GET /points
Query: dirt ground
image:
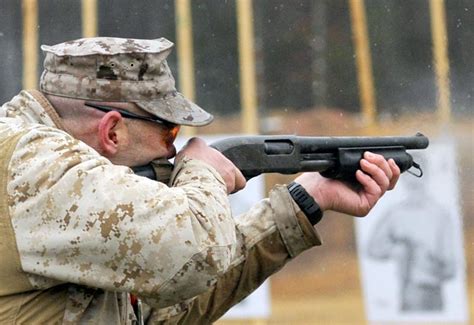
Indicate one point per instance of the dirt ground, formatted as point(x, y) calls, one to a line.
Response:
point(322, 286)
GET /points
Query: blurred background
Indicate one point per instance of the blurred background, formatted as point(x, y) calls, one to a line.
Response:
point(320, 67)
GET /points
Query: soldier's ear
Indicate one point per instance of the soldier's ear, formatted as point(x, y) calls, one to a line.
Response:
point(112, 131)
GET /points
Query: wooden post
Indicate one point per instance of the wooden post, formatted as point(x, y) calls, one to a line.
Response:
point(30, 44)
point(440, 58)
point(184, 40)
point(89, 18)
point(363, 60)
point(248, 84)
point(319, 48)
point(248, 93)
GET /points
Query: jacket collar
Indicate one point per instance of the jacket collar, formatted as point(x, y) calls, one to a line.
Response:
point(31, 106)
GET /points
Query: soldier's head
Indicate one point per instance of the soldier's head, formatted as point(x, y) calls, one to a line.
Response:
point(125, 89)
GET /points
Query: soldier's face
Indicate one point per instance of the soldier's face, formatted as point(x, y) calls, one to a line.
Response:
point(151, 141)
point(142, 140)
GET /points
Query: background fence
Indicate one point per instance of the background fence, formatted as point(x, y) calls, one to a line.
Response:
point(305, 52)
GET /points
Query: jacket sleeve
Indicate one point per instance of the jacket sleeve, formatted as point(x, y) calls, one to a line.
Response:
point(80, 219)
point(269, 235)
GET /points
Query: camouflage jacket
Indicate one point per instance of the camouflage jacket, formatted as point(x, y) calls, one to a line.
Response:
point(79, 234)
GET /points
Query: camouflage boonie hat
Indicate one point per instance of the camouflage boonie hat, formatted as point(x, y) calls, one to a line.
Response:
point(119, 70)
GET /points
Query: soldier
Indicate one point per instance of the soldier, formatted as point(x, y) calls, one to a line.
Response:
point(81, 235)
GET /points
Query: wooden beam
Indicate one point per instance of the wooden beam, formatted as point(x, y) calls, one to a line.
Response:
point(89, 18)
point(248, 93)
point(185, 53)
point(363, 60)
point(440, 58)
point(30, 44)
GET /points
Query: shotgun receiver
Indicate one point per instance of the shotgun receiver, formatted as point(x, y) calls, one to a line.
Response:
point(333, 157)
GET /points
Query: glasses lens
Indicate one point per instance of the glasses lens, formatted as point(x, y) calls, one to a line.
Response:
point(170, 130)
point(170, 133)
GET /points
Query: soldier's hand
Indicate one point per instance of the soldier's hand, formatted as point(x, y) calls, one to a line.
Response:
point(197, 149)
point(376, 175)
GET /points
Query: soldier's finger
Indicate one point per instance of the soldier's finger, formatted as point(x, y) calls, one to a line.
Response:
point(240, 181)
point(380, 161)
point(377, 173)
point(372, 192)
point(395, 172)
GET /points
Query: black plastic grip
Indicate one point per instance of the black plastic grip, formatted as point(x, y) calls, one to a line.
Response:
point(349, 161)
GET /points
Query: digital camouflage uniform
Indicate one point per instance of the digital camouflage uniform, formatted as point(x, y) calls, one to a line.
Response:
point(79, 234)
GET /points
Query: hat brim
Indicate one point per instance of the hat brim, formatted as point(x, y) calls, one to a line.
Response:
point(177, 109)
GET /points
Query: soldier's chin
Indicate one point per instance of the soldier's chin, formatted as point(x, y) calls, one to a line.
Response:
point(171, 151)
